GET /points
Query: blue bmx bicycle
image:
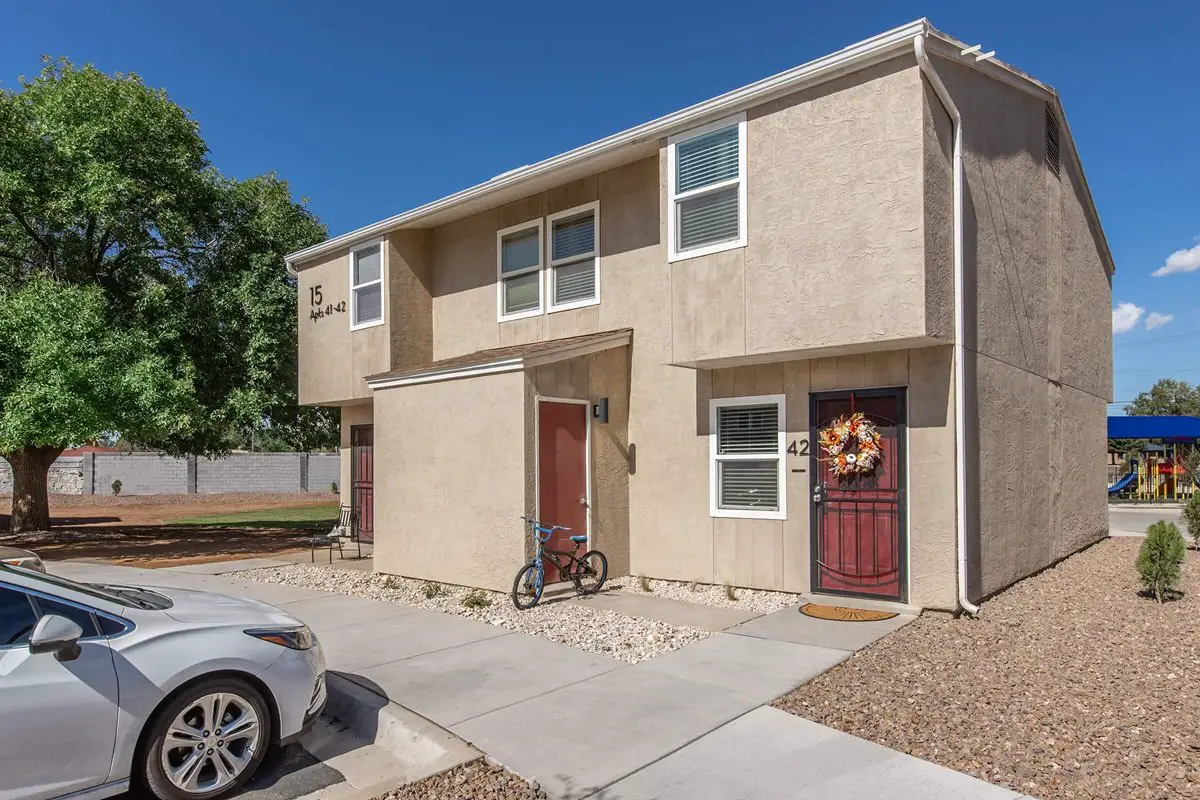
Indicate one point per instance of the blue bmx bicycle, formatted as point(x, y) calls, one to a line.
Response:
point(587, 572)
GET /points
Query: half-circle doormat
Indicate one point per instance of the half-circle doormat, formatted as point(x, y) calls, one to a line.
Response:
point(843, 614)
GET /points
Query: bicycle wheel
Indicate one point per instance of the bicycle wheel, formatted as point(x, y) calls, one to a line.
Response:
point(527, 586)
point(591, 572)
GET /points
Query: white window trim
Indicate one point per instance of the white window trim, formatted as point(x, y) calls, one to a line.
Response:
point(500, 276)
point(551, 263)
point(673, 199)
point(354, 251)
point(714, 490)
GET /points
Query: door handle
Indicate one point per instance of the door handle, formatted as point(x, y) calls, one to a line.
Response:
point(818, 495)
point(583, 500)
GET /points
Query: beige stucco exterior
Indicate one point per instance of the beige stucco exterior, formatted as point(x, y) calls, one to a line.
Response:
point(846, 282)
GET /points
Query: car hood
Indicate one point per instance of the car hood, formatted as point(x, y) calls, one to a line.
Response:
point(189, 605)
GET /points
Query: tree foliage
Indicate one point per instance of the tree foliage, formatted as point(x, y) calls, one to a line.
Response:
point(163, 278)
point(1167, 397)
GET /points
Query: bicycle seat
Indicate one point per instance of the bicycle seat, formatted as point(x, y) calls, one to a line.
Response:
point(578, 539)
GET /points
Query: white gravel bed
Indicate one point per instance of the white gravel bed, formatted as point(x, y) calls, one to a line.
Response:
point(608, 633)
point(759, 600)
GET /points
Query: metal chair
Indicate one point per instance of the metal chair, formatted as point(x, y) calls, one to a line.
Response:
point(345, 529)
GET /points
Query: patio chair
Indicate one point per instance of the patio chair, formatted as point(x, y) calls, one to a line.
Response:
point(361, 537)
point(337, 535)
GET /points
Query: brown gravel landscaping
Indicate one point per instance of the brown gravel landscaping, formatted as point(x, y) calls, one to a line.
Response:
point(475, 780)
point(1069, 685)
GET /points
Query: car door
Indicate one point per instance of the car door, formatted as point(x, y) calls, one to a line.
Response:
point(57, 718)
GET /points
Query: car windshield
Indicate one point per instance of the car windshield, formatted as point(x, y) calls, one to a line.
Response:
point(90, 589)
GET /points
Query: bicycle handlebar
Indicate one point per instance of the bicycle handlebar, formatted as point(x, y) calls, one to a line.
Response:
point(540, 529)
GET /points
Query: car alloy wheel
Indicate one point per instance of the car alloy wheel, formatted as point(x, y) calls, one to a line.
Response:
point(210, 743)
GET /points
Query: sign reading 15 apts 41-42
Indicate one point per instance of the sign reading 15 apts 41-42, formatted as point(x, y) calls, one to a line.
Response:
point(319, 309)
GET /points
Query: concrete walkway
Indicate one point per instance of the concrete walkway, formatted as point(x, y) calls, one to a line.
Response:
point(689, 724)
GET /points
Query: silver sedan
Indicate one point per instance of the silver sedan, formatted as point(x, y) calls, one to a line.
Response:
point(177, 692)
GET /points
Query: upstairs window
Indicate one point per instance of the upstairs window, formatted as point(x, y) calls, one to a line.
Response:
point(574, 268)
point(519, 264)
point(366, 286)
point(746, 451)
point(706, 184)
point(1053, 142)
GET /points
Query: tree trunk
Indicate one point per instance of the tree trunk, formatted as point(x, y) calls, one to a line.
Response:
point(30, 501)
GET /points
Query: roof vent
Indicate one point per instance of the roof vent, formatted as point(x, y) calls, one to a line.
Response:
point(1053, 138)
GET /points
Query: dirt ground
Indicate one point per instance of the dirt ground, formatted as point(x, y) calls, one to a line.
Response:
point(138, 530)
point(1070, 685)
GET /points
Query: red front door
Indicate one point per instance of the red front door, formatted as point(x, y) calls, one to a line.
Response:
point(858, 523)
point(362, 479)
point(562, 473)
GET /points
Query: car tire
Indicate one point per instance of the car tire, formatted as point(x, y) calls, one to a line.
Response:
point(220, 765)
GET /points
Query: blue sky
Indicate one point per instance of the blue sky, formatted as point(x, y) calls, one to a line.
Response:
point(372, 108)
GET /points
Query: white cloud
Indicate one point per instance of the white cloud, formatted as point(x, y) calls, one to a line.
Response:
point(1180, 261)
point(1157, 320)
point(1126, 316)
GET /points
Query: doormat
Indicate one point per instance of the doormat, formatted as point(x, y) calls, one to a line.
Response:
point(843, 614)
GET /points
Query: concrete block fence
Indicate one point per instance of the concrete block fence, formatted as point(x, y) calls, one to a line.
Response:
point(151, 473)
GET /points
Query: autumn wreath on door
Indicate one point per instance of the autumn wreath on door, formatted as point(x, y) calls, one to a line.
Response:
point(852, 444)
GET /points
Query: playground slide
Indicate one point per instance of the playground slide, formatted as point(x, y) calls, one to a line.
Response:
point(1121, 484)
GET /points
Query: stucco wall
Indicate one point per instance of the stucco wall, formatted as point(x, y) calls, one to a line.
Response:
point(334, 359)
point(449, 480)
point(1038, 337)
point(604, 374)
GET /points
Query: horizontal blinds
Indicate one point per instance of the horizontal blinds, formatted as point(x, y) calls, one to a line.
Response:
point(368, 303)
point(708, 219)
point(748, 485)
point(519, 251)
point(522, 293)
point(748, 429)
point(575, 282)
point(706, 159)
point(366, 265)
point(574, 237)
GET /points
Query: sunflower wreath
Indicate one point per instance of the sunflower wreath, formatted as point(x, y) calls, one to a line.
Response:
point(853, 445)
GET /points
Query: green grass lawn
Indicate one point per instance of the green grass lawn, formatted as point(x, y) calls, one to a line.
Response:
point(314, 517)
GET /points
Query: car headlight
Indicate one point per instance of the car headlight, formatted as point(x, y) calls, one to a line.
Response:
point(296, 637)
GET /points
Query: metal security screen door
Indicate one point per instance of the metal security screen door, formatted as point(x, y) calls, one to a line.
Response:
point(362, 479)
point(859, 544)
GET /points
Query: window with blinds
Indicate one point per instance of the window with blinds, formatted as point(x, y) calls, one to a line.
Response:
point(708, 189)
point(519, 263)
point(746, 446)
point(366, 286)
point(574, 262)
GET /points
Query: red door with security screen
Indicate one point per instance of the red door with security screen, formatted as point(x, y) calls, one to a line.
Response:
point(859, 541)
point(562, 473)
point(362, 479)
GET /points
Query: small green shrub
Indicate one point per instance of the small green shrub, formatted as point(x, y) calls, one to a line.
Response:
point(389, 582)
point(1160, 561)
point(333, 487)
point(644, 583)
point(477, 599)
point(730, 593)
point(432, 590)
point(1191, 516)
point(116, 487)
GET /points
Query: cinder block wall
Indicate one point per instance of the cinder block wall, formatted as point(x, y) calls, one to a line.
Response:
point(139, 473)
point(324, 470)
point(249, 472)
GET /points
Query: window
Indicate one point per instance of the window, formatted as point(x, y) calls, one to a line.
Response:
point(574, 270)
point(706, 183)
point(17, 617)
point(519, 264)
point(1053, 137)
point(746, 449)
point(366, 286)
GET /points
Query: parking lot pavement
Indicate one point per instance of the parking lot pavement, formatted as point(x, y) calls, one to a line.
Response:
point(1133, 520)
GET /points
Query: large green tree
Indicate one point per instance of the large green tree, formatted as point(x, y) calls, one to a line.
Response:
point(1167, 397)
point(112, 218)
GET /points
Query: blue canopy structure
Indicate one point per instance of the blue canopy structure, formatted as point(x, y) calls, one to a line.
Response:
point(1173, 429)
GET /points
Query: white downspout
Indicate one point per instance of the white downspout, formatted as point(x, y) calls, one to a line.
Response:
point(960, 424)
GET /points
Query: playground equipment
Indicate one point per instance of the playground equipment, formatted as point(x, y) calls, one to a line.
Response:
point(1155, 472)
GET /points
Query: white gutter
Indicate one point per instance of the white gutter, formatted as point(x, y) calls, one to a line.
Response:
point(960, 424)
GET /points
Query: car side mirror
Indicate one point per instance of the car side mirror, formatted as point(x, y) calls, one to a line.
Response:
point(58, 635)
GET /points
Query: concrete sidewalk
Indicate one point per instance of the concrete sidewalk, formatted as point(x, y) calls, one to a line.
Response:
point(689, 724)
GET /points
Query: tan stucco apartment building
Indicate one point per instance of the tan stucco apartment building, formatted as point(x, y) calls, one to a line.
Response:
point(643, 337)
